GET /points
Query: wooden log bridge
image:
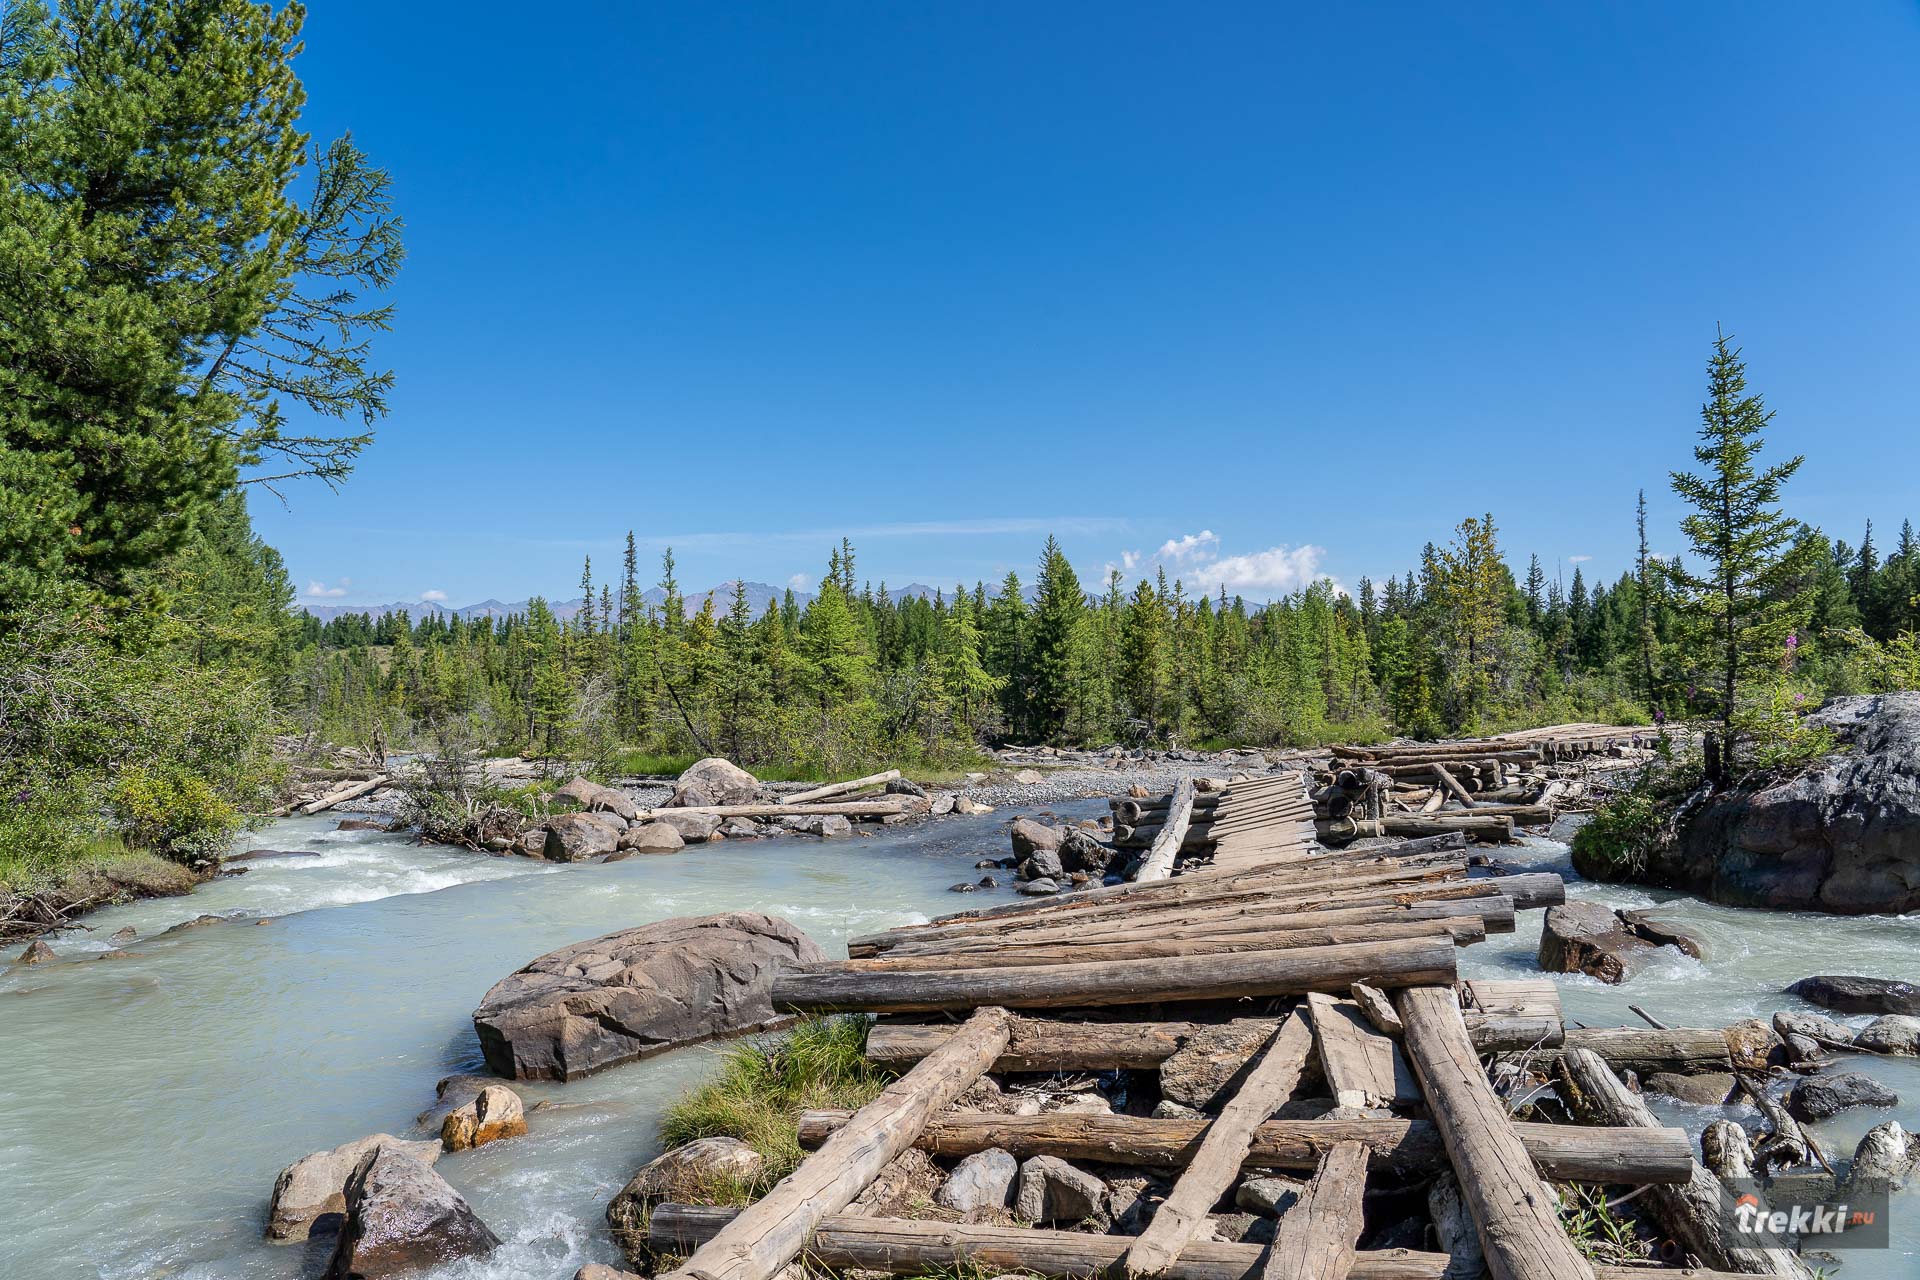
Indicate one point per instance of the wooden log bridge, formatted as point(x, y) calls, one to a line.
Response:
point(1270, 961)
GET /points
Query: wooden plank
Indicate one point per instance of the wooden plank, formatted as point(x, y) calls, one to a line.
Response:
point(1363, 1067)
point(1695, 1212)
point(1224, 1149)
point(1158, 864)
point(1043, 1044)
point(771, 1232)
point(907, 1246)
point(1295, 971)
point(1519, 1231)
point(1565, 1152)
point(912, 1247)
point(1319, 1237)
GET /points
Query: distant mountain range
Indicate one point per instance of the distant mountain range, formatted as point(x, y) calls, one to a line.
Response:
point(759, 595)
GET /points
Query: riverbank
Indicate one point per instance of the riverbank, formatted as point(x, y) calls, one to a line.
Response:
point(42, 904)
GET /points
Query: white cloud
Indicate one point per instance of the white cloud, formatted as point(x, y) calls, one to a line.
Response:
point(1195, 560)
point(1579, 559)
point(321, 591)
point(1190, 547)
point(800, 582)
point(434, 597)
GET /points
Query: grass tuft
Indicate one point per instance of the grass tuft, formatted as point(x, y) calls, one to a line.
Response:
point(763, 1085)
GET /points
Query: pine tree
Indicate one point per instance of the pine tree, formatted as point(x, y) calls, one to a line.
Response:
point(1753, 595)
point(1056, 654)
point(1644, 638)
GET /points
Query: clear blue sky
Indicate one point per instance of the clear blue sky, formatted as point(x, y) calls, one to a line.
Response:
point(946, 277)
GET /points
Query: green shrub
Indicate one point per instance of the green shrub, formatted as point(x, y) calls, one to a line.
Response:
point(763, 1085)
point(171, 810)
point(1617, 840)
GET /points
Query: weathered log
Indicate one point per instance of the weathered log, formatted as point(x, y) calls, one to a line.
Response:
point(1319, 1238)
point(340, 795)
point(910, 1246)
point(770, 1233)
point(1363, 1068)
point(842, 788)
point(1448, 781)
point(1496, 828)
point(844, 808)
point(1464, 930)
point(1158, 864)
point(1647, 1050)
point(1223, 1150)
point(1394, 963)
point(1519, 1232)
point(1565, 1152)
point(1042, 1044)
point(1695, 1212)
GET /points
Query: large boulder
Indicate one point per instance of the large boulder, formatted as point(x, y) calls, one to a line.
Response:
point(311, 1193)
point(494, 1113)
point(591, 795)
point(692, 1174)
point(1585, 937)
point(1847, 994)
point(1895, 1033)
point(692, 827)
point(1043, 864)
point(1842, 836)
point(1079, 851)
point(1885, 1156)
point(610, 1000)
point(715, 781)
point(652, 837)
point(1818, 1097)
point(1030, 837)
point(574, 836)
point(402, 1217)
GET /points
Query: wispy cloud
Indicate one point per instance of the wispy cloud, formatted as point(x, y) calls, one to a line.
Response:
point(801, 582)
point(1579, 559)
point(317, 590)
point(434, 597)
point(1189, 547)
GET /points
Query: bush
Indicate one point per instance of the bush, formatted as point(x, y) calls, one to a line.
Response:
point(172, 811)
point(1615, 843)
point(763, 1086)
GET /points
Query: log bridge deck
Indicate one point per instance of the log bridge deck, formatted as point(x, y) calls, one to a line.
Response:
point(1350, 956)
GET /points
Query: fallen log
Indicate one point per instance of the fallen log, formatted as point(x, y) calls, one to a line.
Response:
point(1464, 930)
point(340, 795)
point(1696, 1212)
point(1448, 781)
point(844, 808)
point(1223, 1150)
point(1394, 963)
point(842, 788)
point(770, 1233)
point(1495, 828)
point(908, 1246)
point(1674, 1050)
point(1407, 1148)
point(1519, 1231)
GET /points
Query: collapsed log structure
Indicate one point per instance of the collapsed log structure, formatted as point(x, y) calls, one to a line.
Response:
point(1333, 972)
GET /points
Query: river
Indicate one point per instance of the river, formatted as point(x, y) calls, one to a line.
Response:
point(149, 1101)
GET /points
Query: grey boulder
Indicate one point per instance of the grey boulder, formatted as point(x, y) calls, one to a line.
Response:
point(1051, 1190)
point(401, 1217)
point(573, 836)
point(1029, 837)
point(1895, 1033)
point(714, 781)
point(692, 827)
point(984, 1180)
point(686, 1174)
point(591, 795)
point(1585, 937)
point(652, 837)
point(1043, 863)
point(1850, 994)
point(311, 1193)
point(828, 826)
point(641, 991)
point(1818, 1097)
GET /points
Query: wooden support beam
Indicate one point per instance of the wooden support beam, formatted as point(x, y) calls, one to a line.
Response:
point(1519, 1232)
point(770, 1233)
point(1224, 1149)
point(1448, 781)
point(1158, 864)
point(1696, 1212)
point(1564, 1152)
point(1363, 1067)
point(1319, 1237)
point(845, 808)
point(908, 1246)
point(1397, 963)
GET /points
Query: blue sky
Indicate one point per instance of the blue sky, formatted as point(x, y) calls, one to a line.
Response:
point(1259, 291)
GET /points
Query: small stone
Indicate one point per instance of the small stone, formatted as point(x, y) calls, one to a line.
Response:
point(495, 1113)
point(1709, 1090)
point(1818, 1097)
point(965, 886)
point(828, 826)
point(126, 933)
point(942, 805)
point(984, 1180)
point(652, 837)
point(1051, 1190)
point(1231, 1228)
point(1168, 1109)
point(1271, 1196)
point(1086, 1104)
point(988, 882)
point(116, 954)
point(740, 829)
point(1028, 778)
point(37, 952)
point(1040, 888)
point(970, 808)
point(986, 862)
